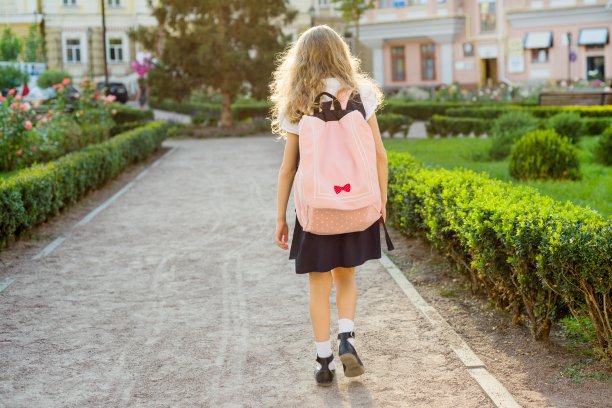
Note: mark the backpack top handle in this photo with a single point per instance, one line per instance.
(335, 100)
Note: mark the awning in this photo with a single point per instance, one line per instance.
(538, 39)
(593, 36)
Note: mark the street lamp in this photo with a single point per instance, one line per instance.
(311, 12)
(104, 42)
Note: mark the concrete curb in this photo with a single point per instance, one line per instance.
(495, 390)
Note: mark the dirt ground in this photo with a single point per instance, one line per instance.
(175, 295)
(536, 373)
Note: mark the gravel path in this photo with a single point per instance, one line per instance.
(176, 295)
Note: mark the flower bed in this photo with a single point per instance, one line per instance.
(534, 256)
(30, 196)
(36, 133)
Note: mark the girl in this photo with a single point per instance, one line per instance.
(320, 61)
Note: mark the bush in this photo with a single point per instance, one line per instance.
(11, 77)
(32, 195)
(543, 154)
(393, 123)
(532, 255)
(603, 151)
(125, 114)
(595, 126)
(419, 110)
(51, 77)
(446, 125)
(568, 124)
(508, 128)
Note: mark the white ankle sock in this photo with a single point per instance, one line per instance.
(347, 325)
(324, 350)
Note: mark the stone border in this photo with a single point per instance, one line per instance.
(495, 390)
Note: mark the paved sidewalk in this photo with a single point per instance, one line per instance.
(175, 295)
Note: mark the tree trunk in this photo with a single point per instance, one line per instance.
(226, 111)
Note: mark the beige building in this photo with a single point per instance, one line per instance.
(19, 15)
(73, 33)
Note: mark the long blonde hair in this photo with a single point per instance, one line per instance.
(302, 67)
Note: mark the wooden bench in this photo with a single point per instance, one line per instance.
(575, 98)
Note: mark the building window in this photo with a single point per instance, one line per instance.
(428, 62)
(539, 55)
(324, 3)
(115, 50)
(69, 2)
(488, 15)
(400, 3)
(596, 68)
(113, 3)
(72, 47)
(398, 64)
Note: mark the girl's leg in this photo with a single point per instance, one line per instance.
(346, 292)
(320, 288)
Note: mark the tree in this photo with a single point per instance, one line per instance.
(33, 45)
(221, 44)
(352, 10)
(10, 46)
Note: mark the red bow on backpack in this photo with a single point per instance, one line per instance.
(346, 187)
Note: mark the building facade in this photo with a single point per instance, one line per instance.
(19, 15)
(480, 43)
(73, 34)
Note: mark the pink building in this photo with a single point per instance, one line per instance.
(484, 42)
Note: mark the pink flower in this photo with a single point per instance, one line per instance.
(19, 152)
(18, 97)
(110, 98)
(14, 105)
(28, 125)
(66, 81)
(12, 91)
(33, 148)
(2, 98)
(59, 87)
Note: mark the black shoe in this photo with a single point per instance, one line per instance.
(324, 375)
(351, 363)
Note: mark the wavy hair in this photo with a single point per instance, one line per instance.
(301, 69)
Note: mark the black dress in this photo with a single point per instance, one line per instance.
(322, 253)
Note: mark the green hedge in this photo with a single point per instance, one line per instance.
(32, 195)
(125, 114)
(532, 255)
(393, 123)
(454, 125)
(207, 112)
(492, 112)
(419, 110)
(447, 125)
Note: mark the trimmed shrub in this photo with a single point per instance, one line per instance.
(508, 128)
(125, 114)
(393, 123)
(595, 126)
(453, 126)
(419, 110)
(11, 77)
(491, 112)
(543, 154)
(51, 77)
(568, 124)
(531, 254)
(32, 195)
(603, 151)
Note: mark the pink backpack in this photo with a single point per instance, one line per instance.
(336, 187)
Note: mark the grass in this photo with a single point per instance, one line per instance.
(593, 190)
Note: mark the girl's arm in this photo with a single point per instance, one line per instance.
(381, 163)
(285, 180)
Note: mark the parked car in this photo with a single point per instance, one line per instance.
(117, 89)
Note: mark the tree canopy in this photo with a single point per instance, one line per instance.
(228, 45)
